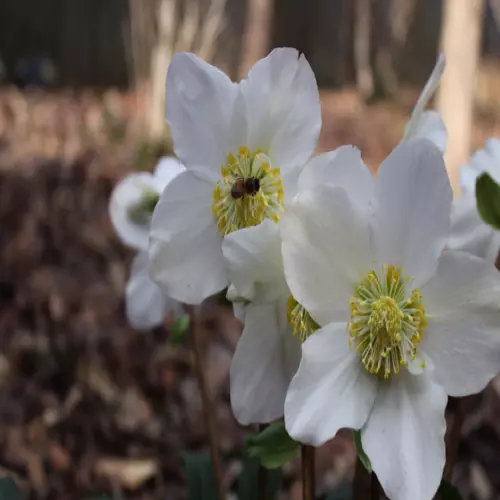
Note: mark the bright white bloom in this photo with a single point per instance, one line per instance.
(243, 146)
(403, 323)
(268, 353)
(428, 124)
(131, 205)
(468, 232)
(133, 199)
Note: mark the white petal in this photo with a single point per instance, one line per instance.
(264, 362)
(404, 437)
(126, 194)
(430, 126)
(468, 232)
(412, 212)
(145, 303)
(342, 167)
(283, 108)
(424, 98)
(463, 333)
(484, 160)
(199, 105)
(326, 251)
(167, 169)
(185, 249)
(254, 262)
(330, 390)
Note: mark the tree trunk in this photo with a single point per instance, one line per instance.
(161, 55)
(460, 39)
(256, 38)
(362, 47)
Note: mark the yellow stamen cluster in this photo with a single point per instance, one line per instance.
(386, 324)
(247, 209)
(301, 321)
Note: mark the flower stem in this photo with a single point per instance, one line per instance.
(375, 488)
(308, 472)
(263, 476)
(207, 404)
(453, 441)
(361, 482)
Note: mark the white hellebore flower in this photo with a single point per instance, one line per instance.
(131, 205)
(403, 324)
(468, 231)
(243, 145)
(268, 353)
(428, 124)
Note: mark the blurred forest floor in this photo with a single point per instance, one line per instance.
(87, 404)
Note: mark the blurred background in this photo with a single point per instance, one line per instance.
(87, 405)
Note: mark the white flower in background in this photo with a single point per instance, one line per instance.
(134, 198)
(468, 231)
(243, 146)
(268, 353)
(428, 124)
(403, 324)
(131, 206)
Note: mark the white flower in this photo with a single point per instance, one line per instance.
(145, 303)
(268, 353)
(403, 323)
(133, 199)
(468, 231)
(428, 124)
(130, 208)
(243, 146)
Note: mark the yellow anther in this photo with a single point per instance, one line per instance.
(300, 320)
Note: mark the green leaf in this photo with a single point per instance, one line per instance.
(448, 492)
(488, 200)
(9, 490)
(200, 477)
(342, 492)
(273, 447)
(248, 481)
(179, 329)
(363, 457)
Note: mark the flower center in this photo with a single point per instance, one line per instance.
(250, 192)
(386, 324)
(140, 212)
(300, 320)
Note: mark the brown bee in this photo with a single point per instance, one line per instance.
(252, 185)
(242, 187)
(238, 189)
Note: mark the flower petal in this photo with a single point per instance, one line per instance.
(283, 108)
(463, 333)
(326, 251)
(167, 169)
(430, 126)
(145, 303)
(415, 122)
(468, 232)
(185, 248)
(265, 360)
(484, 160)
(412, 212)
(404, 437)
(126, 194)
(342, 167)
(199, 106)
(330, 390)
(254, 262)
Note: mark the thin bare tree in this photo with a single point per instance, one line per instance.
(460, 39)
(256, 37)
